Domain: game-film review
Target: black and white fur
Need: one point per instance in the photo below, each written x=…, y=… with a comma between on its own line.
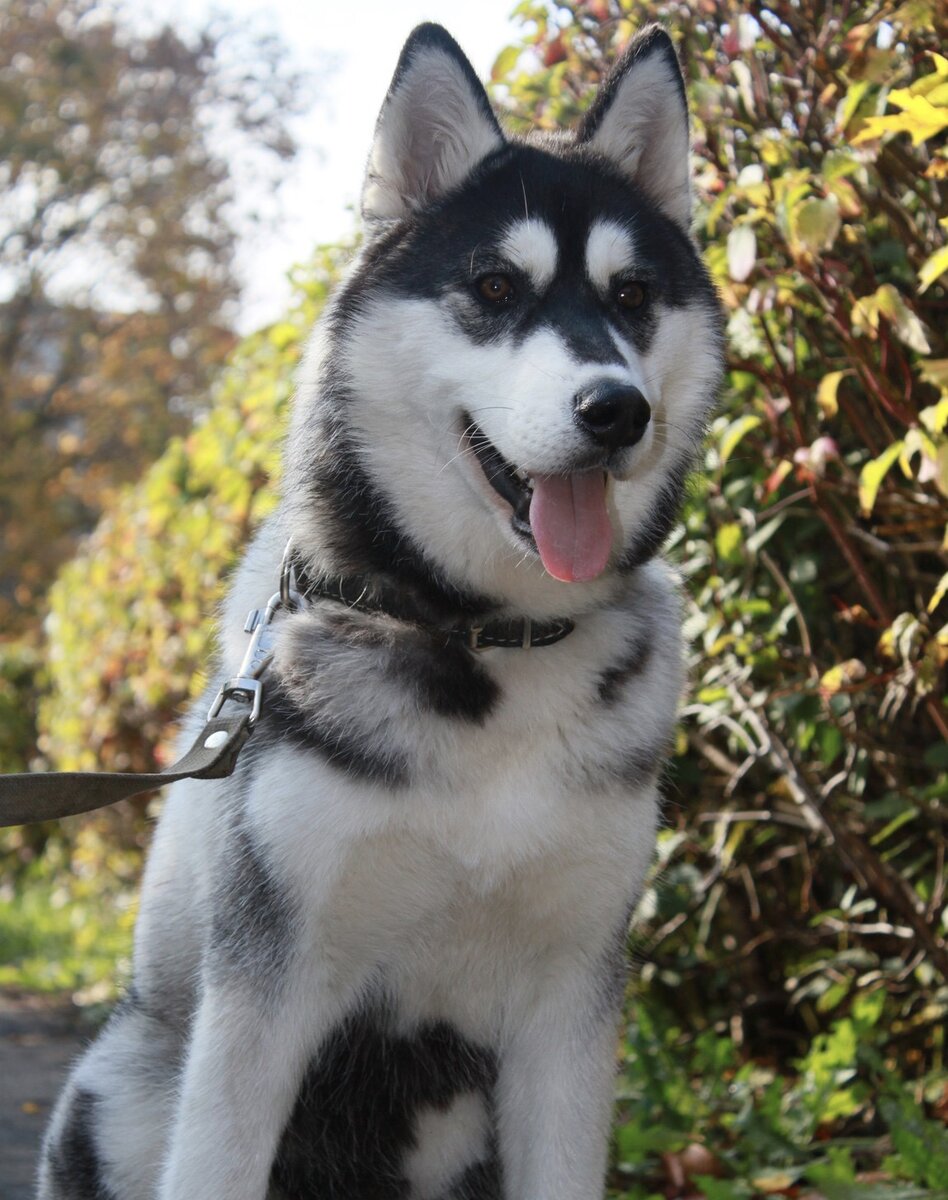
x=385, y=959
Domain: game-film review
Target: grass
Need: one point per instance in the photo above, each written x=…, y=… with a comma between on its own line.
x=67, y=926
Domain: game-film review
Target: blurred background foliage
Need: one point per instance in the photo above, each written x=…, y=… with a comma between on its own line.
x=787, y=1030
x=115, y=151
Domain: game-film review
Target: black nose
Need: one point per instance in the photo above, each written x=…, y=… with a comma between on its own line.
x=613, y=414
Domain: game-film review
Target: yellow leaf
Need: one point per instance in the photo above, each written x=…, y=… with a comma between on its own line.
x=284, y=334
x=935, y=417
x=939, y=593
x=826, y=392
x=888, y=302
x=872, y=475
x=919, y=118
x=843, y=674
x=932, y=268
x=941, y=470
x=935, y=371
x=777, y=1181
x=916, y=442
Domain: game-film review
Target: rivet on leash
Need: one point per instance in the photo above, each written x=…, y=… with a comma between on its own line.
x=215, y=739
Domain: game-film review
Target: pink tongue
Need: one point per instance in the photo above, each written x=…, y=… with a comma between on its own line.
x=570, y=524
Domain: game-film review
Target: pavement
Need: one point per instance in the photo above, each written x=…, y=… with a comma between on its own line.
x=39, y=1038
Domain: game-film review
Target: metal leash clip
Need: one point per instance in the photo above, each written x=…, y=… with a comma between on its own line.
x=245, y=687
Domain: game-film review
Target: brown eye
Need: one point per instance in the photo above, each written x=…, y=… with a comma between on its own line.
x=630, y=295
x=496, y=288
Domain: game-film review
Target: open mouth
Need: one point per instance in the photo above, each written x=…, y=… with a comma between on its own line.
x=563, y=517
x=508, y=482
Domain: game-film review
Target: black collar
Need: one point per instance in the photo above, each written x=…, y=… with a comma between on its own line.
x=365, y=594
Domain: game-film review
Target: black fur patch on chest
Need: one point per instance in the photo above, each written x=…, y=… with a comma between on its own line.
x=613, y=680
x=354, y=1117
x=364, y=757
x=74, y=1158
x=346, y=685
x=254, y=921
x=441, y=674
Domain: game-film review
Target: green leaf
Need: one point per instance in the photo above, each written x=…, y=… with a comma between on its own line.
x=762, y=535
x=505, y=63
x=734, y=433
x=816, y=223
x=723, y=1189
x=728, y=541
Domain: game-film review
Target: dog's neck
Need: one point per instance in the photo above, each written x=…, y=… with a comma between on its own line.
x=373, y=595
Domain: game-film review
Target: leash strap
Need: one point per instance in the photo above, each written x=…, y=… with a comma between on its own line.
x=48, y=795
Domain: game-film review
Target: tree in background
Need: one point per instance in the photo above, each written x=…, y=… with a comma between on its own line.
x=116, y=255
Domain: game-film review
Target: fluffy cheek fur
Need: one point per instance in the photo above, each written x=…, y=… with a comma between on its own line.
x=422, y=373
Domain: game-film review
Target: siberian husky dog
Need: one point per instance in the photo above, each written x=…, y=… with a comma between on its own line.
x=384, y=960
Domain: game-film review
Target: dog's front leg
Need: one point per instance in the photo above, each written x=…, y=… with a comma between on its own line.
x=248, y=1051
x=555, y=1089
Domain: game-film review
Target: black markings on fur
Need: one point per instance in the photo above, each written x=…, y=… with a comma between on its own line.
x=655, y=528
x=639, y=764
x=442, y=251
x=429, y=36
x=612, y=682
x=75, y=1167
x=482, y=1181
x=253, y=922
x=354, y=1118
x=289, y=720
x=577, y=320
x=336, y=657
x=441, y=674
x=362, y=533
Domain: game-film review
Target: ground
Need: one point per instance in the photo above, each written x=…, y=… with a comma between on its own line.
x=39, y=1038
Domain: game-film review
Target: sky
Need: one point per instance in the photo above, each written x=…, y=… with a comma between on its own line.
x=350, y=51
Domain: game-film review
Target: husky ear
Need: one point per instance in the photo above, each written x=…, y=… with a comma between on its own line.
x=435, y=126
x=639, y=120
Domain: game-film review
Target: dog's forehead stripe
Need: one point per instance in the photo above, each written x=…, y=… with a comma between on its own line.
x=530, y=244
x=610, y=251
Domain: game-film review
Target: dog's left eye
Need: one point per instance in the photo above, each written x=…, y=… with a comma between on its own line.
x=630, y=295
x=496, y=288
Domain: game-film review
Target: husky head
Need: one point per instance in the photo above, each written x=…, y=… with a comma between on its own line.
x=503, y=401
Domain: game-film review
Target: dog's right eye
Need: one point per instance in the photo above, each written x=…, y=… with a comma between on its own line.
x=496, y=288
